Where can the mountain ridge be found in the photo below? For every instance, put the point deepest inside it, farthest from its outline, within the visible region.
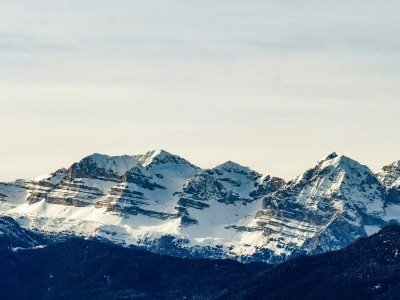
(159, 200)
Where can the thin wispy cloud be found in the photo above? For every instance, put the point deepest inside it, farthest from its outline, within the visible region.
(252, 80)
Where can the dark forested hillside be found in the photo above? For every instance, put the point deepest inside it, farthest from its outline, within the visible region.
(367, 269)
(83, 269)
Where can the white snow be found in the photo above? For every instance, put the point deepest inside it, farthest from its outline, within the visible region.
(390, 175)
(370, 230)
(117, 164)
(16, 249)
(392, 212)
(15, 195)
(40, 178)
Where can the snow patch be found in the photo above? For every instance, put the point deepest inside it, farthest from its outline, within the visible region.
(370, 229)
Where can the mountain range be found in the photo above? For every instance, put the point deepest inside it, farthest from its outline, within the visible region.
(161, 202)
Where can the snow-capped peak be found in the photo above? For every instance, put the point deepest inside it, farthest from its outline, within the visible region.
(333, 163)
(54, 178)
(230, 166)
(103, 166)
(331, 156)
(341, 178)
(336, 160)
(117, 164)
(156, 157)
(147, 158)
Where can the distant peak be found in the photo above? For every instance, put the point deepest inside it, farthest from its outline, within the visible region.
(331, 156)
(158, 152)
(230, 165)
(229, 162)
(340, 161)
(50, 177)
(161, 157)
(148, 157)
(90, 165)
(162, 153)
(390, 174)
(393, 166)
(335, 164)
(98, 157)
(335, 159)
(115, 159)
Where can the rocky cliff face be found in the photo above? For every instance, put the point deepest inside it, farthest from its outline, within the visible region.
(327, 207)
(163, 202)
(230, 184)
(103, 167)
(390, 175)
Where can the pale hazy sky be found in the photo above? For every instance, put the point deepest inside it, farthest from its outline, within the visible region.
(274, 85)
